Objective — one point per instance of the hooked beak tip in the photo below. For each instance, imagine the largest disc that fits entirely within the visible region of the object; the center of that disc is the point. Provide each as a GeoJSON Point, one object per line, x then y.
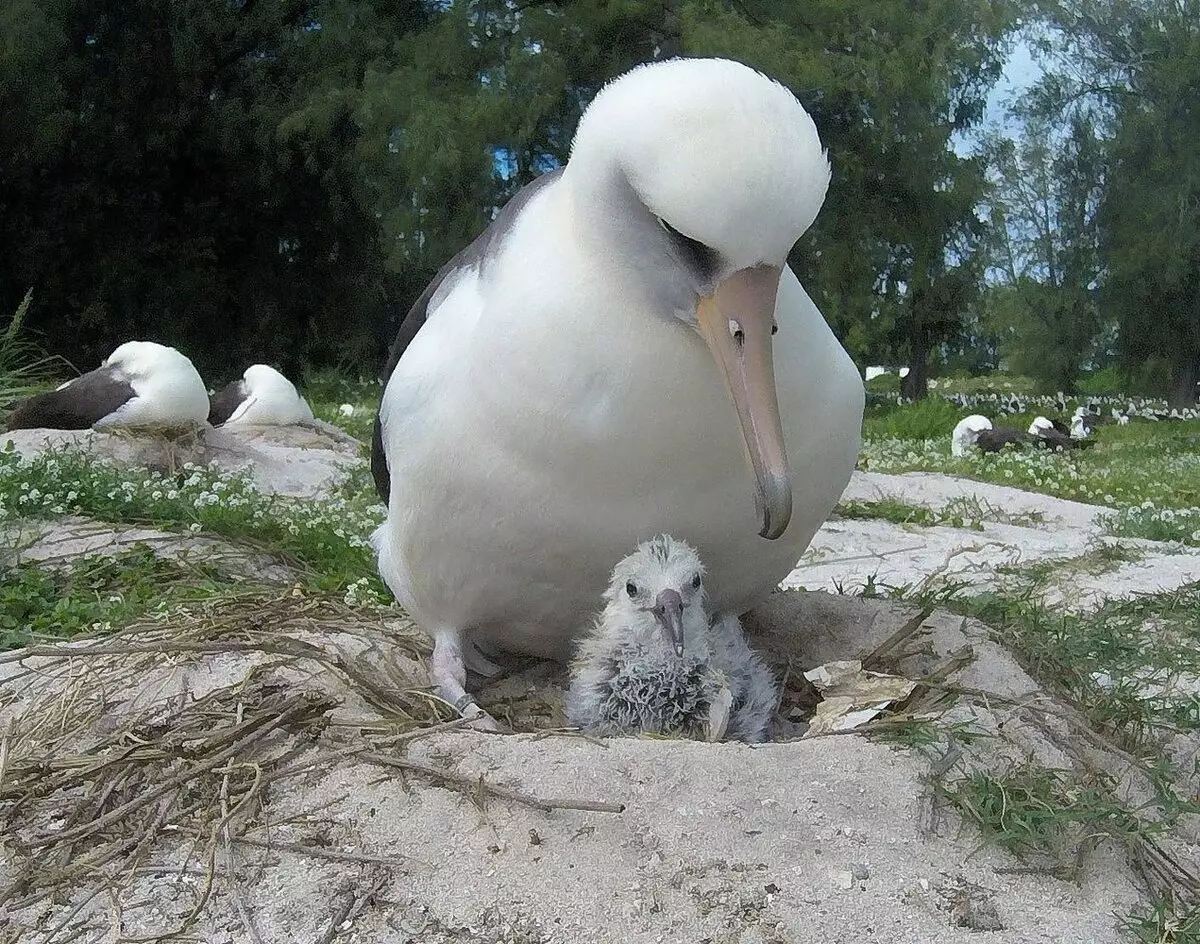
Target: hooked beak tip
{"type": "Point", "coordinates": [775, 507]}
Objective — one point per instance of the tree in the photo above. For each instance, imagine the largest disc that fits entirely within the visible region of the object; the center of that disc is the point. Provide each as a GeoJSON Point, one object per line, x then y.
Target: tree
{"type": "Point", "coordinates": [1045, 255]}
{"type": "Point", "coordinates": [1135, 64]}
{"type": "Point", "coordinates": [146, 192]}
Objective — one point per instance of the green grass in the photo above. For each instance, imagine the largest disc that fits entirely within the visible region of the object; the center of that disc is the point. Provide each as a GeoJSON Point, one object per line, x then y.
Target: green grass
{"type": "Point", "coordinates": [1132, 669]}
{"type": "Point", "coordinates": [24, 370]}
{"type": "Point", "coordinates": [1106, 661]}
{"type": "Point", "coordinates": [927, 419]}
{"type": "Point", "coordinates": [1147, 474]}
{"type": "Point", "coordinates": [326, 538]}
{"type": "Point", "coordinates": [964, 511]}
{"type": "Point", "coordinates": [1163, 922]}
{"type": "Point", "coordinates": [96, 593]}
{"type": "Point", "coordinates": [1033, 811]}
{"type": "Point", "coordinates": [327, 391]}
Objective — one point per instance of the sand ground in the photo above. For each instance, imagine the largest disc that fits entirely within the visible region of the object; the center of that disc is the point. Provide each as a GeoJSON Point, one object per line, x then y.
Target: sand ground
{"type": "Point", "coordinates": [830, 839]}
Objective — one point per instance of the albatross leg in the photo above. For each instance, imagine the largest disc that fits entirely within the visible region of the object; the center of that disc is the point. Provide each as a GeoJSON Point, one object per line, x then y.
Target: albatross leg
{"type": "Point", "coordinates": [450, 677]}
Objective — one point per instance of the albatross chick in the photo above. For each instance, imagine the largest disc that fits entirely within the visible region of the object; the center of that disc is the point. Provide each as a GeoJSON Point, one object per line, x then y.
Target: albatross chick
{"type": "Point", "coordinates": [655, 662]}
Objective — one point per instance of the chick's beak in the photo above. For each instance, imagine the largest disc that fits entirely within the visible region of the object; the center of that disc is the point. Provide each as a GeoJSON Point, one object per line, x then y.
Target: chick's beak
{"type": "Point", "coordinates": [668, 610]}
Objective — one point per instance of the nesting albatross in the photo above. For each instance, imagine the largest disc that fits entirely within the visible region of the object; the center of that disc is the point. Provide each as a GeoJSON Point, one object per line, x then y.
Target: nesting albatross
{"type": "Point", "coordinates": [141, 384]}
{"type": "Point", "coordinates": [623, 352]}
{"type": "Point", "coordinates": [263, 397]}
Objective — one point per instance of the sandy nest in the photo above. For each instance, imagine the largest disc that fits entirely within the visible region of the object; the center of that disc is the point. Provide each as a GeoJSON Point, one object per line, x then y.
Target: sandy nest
{"type": "Point", "coordinates": [269, 772]}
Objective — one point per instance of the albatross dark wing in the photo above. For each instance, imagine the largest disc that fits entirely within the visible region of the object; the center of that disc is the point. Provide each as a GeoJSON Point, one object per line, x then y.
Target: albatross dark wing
{"type": "Point", "coordinates": [474, 254]}
{"type": "Point", "coordinates": [223, 403]}
{"type": "Point", "coordinates": [76, 406]}
{"type": "Point", "coordinates": [993, 440]}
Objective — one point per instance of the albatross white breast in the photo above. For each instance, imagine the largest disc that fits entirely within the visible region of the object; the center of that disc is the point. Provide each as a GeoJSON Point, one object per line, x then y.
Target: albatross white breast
{"type": "Point", "coordinates": [623, 352]}
{"type": "Point", "coordinates": [141, 384]}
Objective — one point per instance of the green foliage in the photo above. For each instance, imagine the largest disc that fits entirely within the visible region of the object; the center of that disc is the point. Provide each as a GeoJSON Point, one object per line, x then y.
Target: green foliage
{"type": "Point", "coordinates": [328, 538]}
{"type": "Point", "coordinates": [279, 182]}
{"type": "Point", "coordinates": [928, 419]}
{"type": "Point", "coordinates": [1164, 922]}
{"type": "Point", "coordinates": [328, 391]}
{"type": "Point", "coordinates": [884, 384]}
{"type": "Point", "coordinates": [24, 370]}
{"type": "Point", "coordinates": [1032, 810]}
{"type": "Point", "coordinates": [1046, 248]}
{"type": "Point", "coordinates": [1105, 661]}
{"type": "Point", "coordinates": [41, 603]}
{"type": "Point", "coordinates": [1128, 68]}
{"type": "Point", "coordinates": [1148, 473]}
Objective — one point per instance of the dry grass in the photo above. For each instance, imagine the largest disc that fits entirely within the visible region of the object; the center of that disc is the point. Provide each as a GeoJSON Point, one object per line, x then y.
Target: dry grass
{"type": "Point", "coordinates": [180, 729]}
{"type": "Point", "coordinates": [107, 746]}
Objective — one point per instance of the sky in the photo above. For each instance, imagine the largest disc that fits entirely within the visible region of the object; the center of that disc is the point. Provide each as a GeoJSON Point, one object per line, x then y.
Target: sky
{"type": "Point", "coordinates": [1020, 72]}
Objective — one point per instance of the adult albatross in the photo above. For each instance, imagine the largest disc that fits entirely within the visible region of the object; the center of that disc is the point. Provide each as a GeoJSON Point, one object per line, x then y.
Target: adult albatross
{"type": "Point", "coordinates": [140, 385]}
{"type": "Point", "coordinates": [623, 352]}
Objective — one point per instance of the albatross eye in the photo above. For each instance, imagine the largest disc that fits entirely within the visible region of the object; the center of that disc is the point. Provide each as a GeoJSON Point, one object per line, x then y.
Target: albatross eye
{"type": "Point", "coordinates": [696, 582]}
{"type": "Point", "coordinates": [631, 588]}
{"type": "Point", "coordinates": [702, 258]}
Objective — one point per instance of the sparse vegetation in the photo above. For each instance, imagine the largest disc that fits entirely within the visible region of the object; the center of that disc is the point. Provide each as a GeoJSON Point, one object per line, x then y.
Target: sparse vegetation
{"type": "Point", "coordinates": [96, 593]}
{"type": "Point", "coordinates": [24, 370]}
{"type": "Point", "coordinates": [960, 512]}
{"type": "Point", "coordinates": [1148, 474]}
{"type": "Point", "coordinates": [328, 539]}
{"type": "Point", "coordinates": [1132, 668]}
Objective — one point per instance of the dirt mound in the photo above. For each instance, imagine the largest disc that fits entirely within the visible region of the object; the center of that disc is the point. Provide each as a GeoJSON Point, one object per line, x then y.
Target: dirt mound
{"type": "Point", "coordinates": [269, 774]}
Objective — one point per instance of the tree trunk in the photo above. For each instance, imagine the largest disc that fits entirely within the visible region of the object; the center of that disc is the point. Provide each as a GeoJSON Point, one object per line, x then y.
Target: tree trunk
{"type": "Point", "coordinates": [916, 385]}
{"type": "Point", "coordinates": [1185, 374]}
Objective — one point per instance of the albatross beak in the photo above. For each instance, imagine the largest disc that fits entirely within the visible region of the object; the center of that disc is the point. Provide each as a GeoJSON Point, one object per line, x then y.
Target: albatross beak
{"type": "Point", "coordinates": [668, 610]}
{"type": "Point", "coordinates": [737, 321]}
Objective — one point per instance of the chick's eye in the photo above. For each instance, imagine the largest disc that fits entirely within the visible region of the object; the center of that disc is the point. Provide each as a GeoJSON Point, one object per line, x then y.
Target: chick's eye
{"type": "Point", "coordinates": [631, 588]}
{"type": "Point", "coordinates": [696, 582]}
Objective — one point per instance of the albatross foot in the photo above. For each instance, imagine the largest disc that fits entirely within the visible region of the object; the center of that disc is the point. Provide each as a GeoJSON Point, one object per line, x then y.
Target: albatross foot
{"type": "Point", "coordinates": [450, 677]}
{"type": "Point", "coordinates": [477, 717]}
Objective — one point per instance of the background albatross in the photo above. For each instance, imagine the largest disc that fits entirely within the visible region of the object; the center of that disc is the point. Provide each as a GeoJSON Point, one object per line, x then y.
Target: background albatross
{"type": "Point", "coordinates": [623, 352]}
{"type": "Point", "coordinates": [140, 385]}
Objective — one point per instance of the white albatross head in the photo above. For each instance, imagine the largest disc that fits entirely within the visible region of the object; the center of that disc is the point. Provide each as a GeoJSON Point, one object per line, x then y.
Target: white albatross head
{"type": "Point", "coordinates": [1039, 425]}
{"type": "Point", "coordinates": [138, 361]}
{"type": "Point", "coordinates": [656, 597]}
{"type": "Point", "coordinates": [700, 175]}
{"type": "Point", "coordinates": [966, 433]}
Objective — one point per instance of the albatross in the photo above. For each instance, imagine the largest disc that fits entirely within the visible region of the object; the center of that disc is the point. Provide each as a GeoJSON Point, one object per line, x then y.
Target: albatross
{"type": "Point", "coordinates": [141, 384]}
{"type": "Point", "coordinates": [653, 661]}
{"type": "Point", "coordinates": [623, 352]}
{"type": "Point", "coordinates": [263, 397]}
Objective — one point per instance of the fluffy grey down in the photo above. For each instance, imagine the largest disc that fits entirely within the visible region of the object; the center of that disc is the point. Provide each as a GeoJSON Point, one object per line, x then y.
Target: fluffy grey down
{"type": "Point", "coordinates": [628, 678]}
